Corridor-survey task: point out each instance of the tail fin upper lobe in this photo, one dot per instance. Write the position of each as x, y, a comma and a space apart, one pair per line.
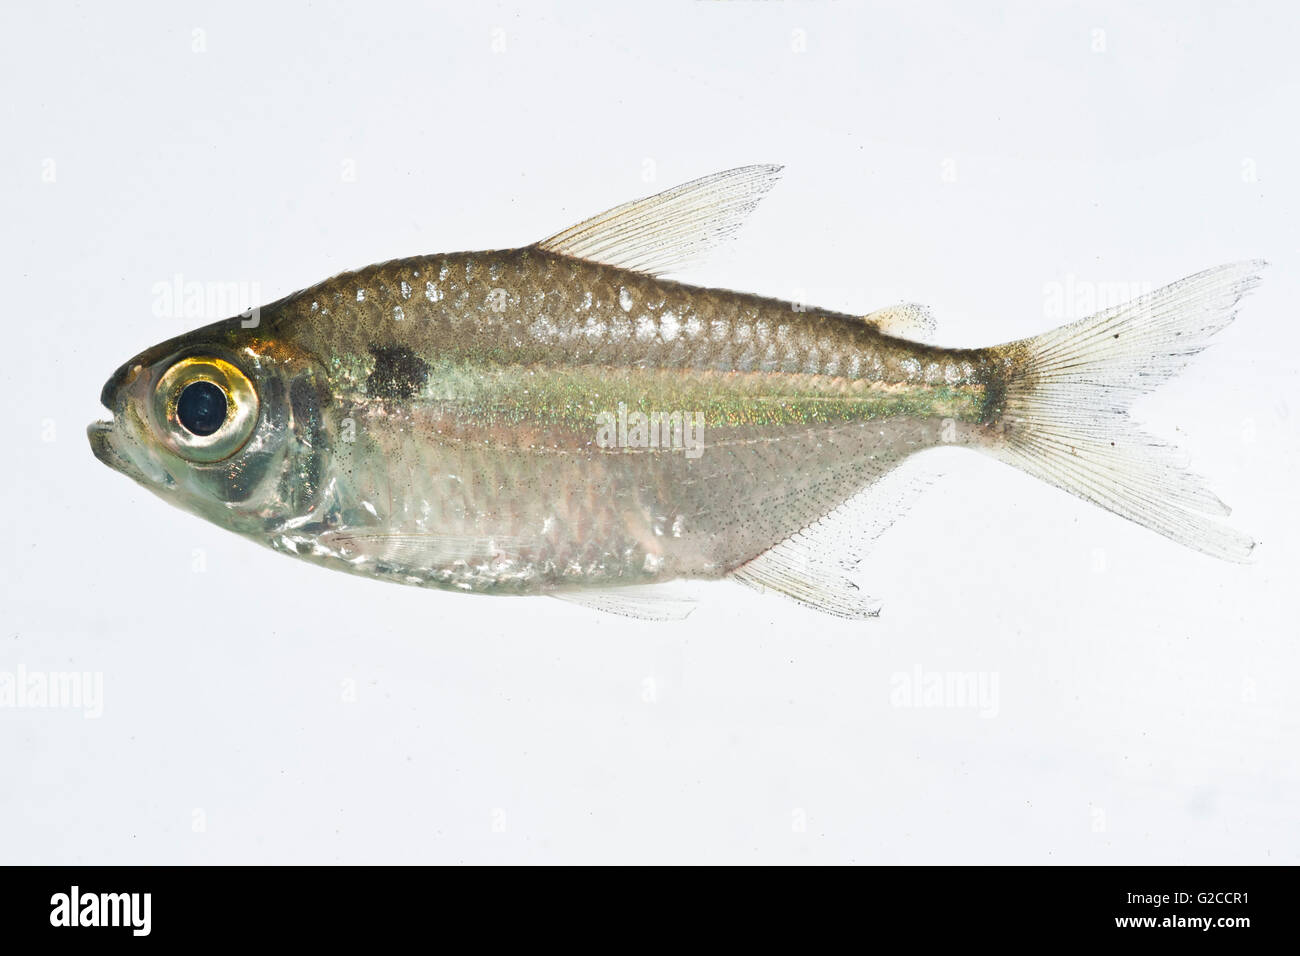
1064, 415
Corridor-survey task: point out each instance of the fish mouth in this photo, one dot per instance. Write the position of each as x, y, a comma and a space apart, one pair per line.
100, 433
101, 444
104, 435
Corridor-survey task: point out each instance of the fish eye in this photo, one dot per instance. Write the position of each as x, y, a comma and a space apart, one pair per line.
205, 408
201, 409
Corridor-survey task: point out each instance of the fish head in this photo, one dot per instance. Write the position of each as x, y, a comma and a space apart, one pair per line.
227, 422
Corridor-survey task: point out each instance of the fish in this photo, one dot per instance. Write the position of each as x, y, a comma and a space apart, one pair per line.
567, 419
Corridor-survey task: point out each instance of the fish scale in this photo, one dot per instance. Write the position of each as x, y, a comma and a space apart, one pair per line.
559, 312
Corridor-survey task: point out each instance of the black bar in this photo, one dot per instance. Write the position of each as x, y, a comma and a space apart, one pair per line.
929, 905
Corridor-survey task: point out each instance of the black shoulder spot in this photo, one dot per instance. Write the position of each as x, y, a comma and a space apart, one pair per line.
399, 372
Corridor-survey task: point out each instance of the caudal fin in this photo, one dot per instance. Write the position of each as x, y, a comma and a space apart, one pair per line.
1065, 412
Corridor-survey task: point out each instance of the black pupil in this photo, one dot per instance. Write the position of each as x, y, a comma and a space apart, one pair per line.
201, 408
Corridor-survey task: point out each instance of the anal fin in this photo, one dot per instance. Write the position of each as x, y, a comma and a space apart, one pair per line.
812, 566
798, 574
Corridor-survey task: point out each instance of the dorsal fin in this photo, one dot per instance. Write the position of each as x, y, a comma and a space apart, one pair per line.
665, 232
907, 321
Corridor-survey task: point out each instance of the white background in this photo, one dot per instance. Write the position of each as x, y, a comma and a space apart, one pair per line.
983, 159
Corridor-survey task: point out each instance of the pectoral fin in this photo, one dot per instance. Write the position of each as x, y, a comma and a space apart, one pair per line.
642, 602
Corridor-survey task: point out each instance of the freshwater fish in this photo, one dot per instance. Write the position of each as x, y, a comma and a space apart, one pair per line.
565, 419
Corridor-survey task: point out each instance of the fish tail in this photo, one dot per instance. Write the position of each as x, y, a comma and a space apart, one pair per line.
1060, 408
